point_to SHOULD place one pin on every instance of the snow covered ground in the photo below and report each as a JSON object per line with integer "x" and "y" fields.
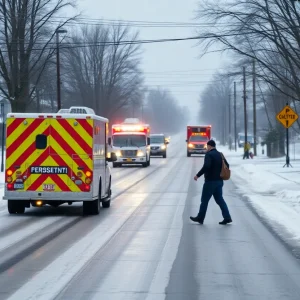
{"x": 271, "y": 189}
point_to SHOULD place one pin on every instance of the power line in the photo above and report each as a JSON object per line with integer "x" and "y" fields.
{"x": 133, "y": 42}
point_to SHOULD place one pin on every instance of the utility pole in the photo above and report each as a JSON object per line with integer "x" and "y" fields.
{"x": 254, "y": 108}
{"x": 58, "y": 31}
{"x": 229, "y": 120}
{"x": 235, "y": 126}
{"x": 245, "y": 103}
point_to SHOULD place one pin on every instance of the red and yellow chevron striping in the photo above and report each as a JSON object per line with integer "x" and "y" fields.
{"x": 69, "y": 147}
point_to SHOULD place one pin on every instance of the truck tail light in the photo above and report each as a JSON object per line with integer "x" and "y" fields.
{"x": 88, "y": 174}
{"x": 87, "y": 187}
{"x": 88, "y": 180}
{"x": 10, "y": 186}
{"x": 9, "y": 172}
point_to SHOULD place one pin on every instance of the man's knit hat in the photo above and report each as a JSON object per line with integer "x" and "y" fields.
{"x": 211, "y": 143}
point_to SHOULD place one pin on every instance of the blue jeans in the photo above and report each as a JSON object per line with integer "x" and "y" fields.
{"x": 213, "y": 188}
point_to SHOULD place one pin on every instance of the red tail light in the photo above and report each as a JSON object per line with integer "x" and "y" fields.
{"x": 10, "y": 186}
{"x": 87, "y": 188}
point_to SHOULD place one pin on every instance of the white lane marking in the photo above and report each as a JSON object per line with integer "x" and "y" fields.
{"x": 162, "y": 274}
{"x": 25, "y": 232}
{"x": 48, "y": 283}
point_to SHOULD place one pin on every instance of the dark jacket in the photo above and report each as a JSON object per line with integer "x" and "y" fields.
{"x": 212, "y": 166}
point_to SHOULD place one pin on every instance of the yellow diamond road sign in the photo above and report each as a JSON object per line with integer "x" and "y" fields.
{"x": 287, "y": 116}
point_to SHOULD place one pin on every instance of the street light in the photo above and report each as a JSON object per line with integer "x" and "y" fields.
{"x": 58, "y": 31}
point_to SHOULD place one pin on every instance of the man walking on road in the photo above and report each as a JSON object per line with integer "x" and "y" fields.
{"x": 213, "y": 185}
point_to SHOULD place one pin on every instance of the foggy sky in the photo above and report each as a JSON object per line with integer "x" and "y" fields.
{"x": 167, "y": 57}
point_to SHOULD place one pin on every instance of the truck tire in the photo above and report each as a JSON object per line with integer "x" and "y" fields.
{"x": 188, "y": 154}
{"x": 106, "y": 202}
{"x": 115, "y": 165}
{"x": 15, "y": 207}
{"x": 165, "y": 155}
{"x": 148, "y": 163}
{"x": 91, "y": 207}
{"x": 86, "y": 208}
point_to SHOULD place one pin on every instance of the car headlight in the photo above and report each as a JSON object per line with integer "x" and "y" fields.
{"x": 191, "y": 145}
{"x": 118, "y": 154}
{"x": 163, "y": 147}
{"x": 140, "y": 153}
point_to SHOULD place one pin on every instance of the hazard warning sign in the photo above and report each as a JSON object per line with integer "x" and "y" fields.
{"x": 287, "y": 116}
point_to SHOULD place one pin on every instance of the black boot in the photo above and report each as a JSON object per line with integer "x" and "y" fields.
{"x": 196, "y": 219}
{"x": 225, "y": 221}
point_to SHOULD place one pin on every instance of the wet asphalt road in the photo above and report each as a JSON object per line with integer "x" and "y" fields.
{"x": 145, "y": 247}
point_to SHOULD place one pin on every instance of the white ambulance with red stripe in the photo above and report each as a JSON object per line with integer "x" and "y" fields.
{"x": 57, "y": 158}
{"x": 130, "y": 142}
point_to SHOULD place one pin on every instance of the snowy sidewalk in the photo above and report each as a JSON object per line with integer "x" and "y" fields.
{"x": 272, "y": 190}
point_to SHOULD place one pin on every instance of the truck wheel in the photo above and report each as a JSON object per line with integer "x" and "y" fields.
{"x": 86, "y": 208}
{"x": 115, "y": 165}
{"x": 165, "y": 155}
{"x": 145, "y": 165}
{"x": 95, "y": 207}
{"x": 148, "y": 163}
{"x": 188, "y": 154}
{"x": 15, "y": 207}
{"x": 91, "y": 207}
{"x": 106, "y": 202}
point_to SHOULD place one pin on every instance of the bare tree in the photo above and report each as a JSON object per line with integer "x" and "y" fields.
{"x": 264, "y": 30}
{"x": 214, "y": 106}
{"x": 26, "y": 33}
{"x": 104, "y": 73}
{"x": 164, "y": 113}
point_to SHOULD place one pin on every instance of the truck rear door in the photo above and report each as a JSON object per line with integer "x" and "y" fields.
{"x": 70, "y": 147}
{"x": 26, "y": 148}
{"x": 48, "y": 155}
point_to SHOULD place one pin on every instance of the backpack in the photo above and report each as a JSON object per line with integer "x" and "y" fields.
{"x": 225, "y": 171}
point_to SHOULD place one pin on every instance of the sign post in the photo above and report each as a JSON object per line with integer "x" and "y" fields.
{"x": 287, "y": 117}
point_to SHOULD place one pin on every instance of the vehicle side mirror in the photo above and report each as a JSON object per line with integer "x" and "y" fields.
{"x": 112, "y": 157}
{"x": 148, "y": 141}
{"x": 109, "y": 141}
{"x": 186, "y": 141}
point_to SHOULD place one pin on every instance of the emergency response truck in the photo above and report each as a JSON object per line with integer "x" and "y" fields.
{"x": 197, "y": 138}
{"x": 57, "y": 158}
{"x": 131, "y": 142}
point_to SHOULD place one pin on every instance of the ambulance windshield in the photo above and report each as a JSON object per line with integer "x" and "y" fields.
{"x": 125, "y": 140}
{"x": 198, "y": 138}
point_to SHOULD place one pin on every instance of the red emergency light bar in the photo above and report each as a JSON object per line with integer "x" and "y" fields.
{"x": 199, "y": 133}
{"x": 130, "y": 128}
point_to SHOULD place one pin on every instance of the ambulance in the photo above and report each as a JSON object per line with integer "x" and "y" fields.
{"x": 130, "y": 142}
{"x": 197, "y": 138}
{"x": 57, "y": 158}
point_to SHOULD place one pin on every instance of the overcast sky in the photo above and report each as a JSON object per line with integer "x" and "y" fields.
{"x": 175, "y": 65}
